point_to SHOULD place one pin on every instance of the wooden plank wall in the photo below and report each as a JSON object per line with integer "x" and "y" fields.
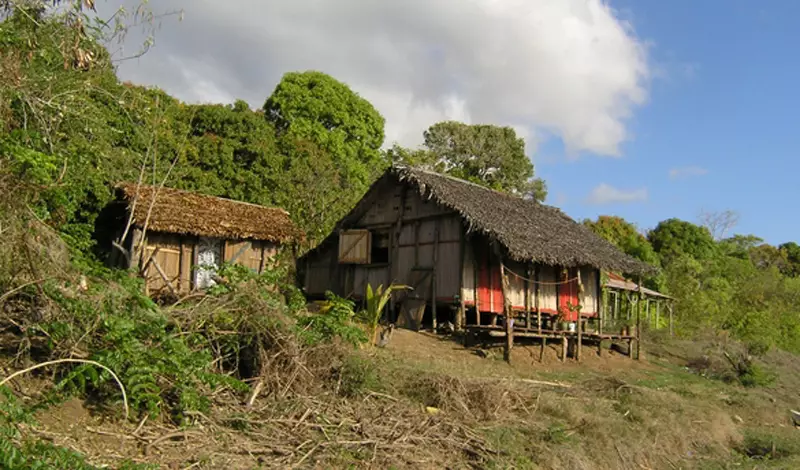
{"x": 175, "y": 255}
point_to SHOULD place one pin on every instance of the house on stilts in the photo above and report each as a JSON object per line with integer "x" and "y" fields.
{"x": 492, "y": 263}
{"x": 177, "y": 239}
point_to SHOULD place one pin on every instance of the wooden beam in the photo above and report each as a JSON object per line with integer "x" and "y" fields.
{"x": 536, "y": 299}
{"x": 433, "y": 274}
{"x": 602, "y": 302}
{"x": 671, "y": 323}
{"x": 541, "y": 351}
{"x": 508, "y": 312}
{"x": 579, "y": 345}
{"x": 476, "y": 277}
{"x": 639, "y": 322}
{"x": 462, "y": 249}
{"x": 527, "y": 288}
{"x": 163, "y": 275}
{"x": 135, "y": 252}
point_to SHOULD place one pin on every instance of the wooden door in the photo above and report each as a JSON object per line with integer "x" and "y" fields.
{"x": 568, "y": 295}
{"x": 490, "y": 282}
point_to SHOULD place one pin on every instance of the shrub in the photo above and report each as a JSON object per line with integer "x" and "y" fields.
{"x": 334, "y": 320}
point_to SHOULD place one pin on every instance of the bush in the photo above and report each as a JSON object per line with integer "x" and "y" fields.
{"x": 334, "y": 320}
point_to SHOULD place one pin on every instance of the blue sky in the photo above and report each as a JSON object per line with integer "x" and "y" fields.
{"x": 724, "y": 100}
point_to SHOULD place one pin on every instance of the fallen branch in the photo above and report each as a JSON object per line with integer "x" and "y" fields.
{"x": 79, "y": 361}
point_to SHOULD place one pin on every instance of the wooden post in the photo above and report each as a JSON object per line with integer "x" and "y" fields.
{"x": 639, "y": 322}
{"x": 647, "y": 312}
{"x": 135, "y": 251}
{"x": 507, "y": 309}
{"x": 616, "y": 305}
{"x": 537, "y": 293}
{"x": 475, "y": 269}
{"x": 603, "y": 309}
{"x": 541, "y": 352}
{"x": 433, "y": 274}
{"x": 580, "y": 318}
{"x": 460, "y": 316}
{"x": 671, "y": 327}
{"x": 563, "y": 348}
{"x": 527, "y": 296}
{"x": 394, "y": 248}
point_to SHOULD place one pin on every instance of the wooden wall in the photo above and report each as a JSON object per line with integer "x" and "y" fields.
{"x": 427, "y": 231}
{"x": 175, "y": 256}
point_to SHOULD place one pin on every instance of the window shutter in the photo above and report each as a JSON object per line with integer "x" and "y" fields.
{"x": 354, "y": 246}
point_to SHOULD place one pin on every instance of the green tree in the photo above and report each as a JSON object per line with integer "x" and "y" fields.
{"x": 674, "y": 237}
{"x": 792, "y": 251}
{"x": 624, "y": 236}
{"x": 316, "y": 108}
{"x": 232, "y": 153}
{"x": 492, "y": 156}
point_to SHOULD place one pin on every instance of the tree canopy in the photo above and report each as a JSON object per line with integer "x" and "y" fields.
{"x": 674, "y": 237}
{"x": 315, "y": 107}
{"x": 489, "y": 155}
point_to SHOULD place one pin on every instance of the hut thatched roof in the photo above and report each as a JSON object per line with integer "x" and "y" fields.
{"x": 529, "y": 231}
{"x": 191, "y": 213}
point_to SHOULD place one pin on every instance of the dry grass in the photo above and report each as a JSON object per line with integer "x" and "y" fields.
{"x": 369, "y": 409}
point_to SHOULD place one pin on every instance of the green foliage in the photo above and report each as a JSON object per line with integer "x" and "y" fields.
{"x": 314, "y": 107}
{"x": 358, "y": 376}
{"x": 627, "y": 238}
{"x": 334, "y": 320}
{"x": 17, "y": 453}
{"x": 673, "y": 237}
{"x": 488, "y": 155}
{"x": 376, "y": 302}
{"x": 161, "y": 369}
{"x": 770, "y": 444}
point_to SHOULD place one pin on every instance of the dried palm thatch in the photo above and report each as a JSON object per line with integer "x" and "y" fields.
{"x": 530, "y": 231}
{"x": 190, "y": 213}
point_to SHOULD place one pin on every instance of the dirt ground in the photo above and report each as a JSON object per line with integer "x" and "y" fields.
{"x": 377, "y": 430}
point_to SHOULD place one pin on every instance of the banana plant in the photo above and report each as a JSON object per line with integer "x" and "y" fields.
{"x": 376, "y": 301}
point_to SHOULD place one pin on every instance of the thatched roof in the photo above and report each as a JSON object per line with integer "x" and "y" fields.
{"x": 528, "y": 230}
{"x": 190, "y": 213}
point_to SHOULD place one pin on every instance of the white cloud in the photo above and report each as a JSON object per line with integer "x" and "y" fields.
{"x": 607, "y": 194}
{"x": 570, "y": 68}
{"x": 687, "y": 172}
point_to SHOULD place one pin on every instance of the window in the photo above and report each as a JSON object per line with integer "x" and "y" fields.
{"x": 380, "y": 248}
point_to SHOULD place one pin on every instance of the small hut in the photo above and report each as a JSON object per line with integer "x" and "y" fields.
{"x": 177, "y": 238}
{"x": 472, "y": 255}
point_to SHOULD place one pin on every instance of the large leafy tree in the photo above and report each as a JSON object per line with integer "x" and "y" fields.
{"x": 627, "y": 238}
{"x": 316, "y": 108}
{"x": 492, "y": 156}
{"x": 232, "y": 153}
{"x": 674, "y": 237}
{"x": 624, "y": 236}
